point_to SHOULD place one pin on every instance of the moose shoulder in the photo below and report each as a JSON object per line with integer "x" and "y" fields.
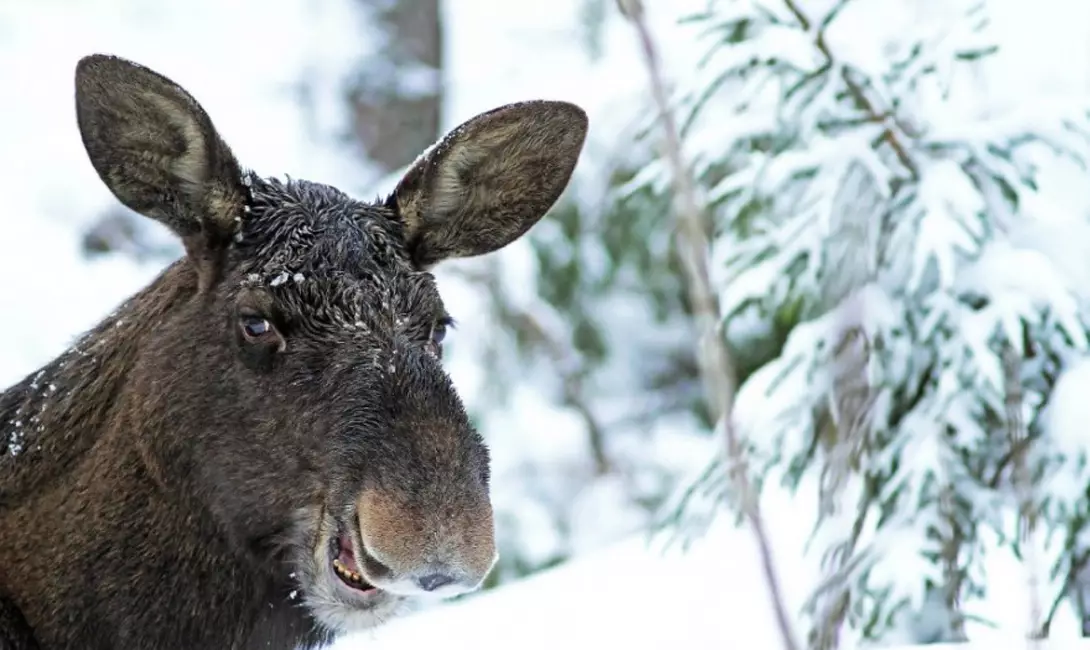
{"x": 261, "y": 448}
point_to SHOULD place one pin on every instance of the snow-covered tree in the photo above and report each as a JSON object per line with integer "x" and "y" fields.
{"x": 871, "y": 215}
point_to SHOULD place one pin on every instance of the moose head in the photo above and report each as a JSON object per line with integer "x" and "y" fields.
{"x": 283, "y": 385}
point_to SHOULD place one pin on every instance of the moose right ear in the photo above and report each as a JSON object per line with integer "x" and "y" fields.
{"x": 489, "y": 180}
{"x": 156, "y": 149}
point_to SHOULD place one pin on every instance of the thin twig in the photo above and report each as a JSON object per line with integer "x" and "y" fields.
{"x": 716, "y": 368}
{"x": 1016, "y": 447}
{"x": 1027, "y": 515}
{"x": 564, "y": 359}
{"x": 1078, "y": 563}
{"x": 856, "y": 214}
{"x": 856, "y": 91}
{"x": 950, "y": 546}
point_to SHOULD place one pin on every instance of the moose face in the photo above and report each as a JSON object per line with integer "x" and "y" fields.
{"x": 299, "y": 376}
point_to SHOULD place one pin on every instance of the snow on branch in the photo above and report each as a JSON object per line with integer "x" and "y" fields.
{"x": 869, "y": 107}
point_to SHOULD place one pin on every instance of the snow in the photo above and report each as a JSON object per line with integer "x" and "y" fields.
{"x": 1070, "y": 410}
{"x": 614, "y": 594}
{"x": 647, "y": 594}
{"x": 636, "y": 594}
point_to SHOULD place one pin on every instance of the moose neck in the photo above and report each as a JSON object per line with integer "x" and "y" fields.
{"x": 92, "y": 550}
{"x": 51, "y": 419}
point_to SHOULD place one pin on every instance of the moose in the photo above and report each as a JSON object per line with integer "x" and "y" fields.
{"x": 261, "y": 448}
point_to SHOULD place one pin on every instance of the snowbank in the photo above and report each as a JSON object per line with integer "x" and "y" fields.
{"x": 638, "y": 594}
{"x": 644, "y": 594}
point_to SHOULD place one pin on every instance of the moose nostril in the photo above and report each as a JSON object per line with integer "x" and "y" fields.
{"x": 433, "y": 581}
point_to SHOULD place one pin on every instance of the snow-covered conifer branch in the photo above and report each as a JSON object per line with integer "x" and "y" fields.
{"x": 888, "y": 301}
{"x": 873, "y": 114}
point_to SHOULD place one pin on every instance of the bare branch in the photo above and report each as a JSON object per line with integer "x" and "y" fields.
{"x": 1078, "y": 563}
{"x": 853, "y": 254}
{"x": 1027, "y": 512}
{"x": 563, "y": 358}
{"x": 716, "y": 368}
{"x": 950, "y": 550}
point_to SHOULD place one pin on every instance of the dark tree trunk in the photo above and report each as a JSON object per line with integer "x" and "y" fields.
{"x": 396, "y": 95}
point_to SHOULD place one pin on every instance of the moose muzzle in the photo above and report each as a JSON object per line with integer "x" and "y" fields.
{"x": 440, "y": 547}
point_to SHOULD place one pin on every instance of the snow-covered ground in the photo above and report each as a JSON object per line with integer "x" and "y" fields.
{"x": 639, "y": 594}
{"x": 240, "y": 59}
{"x": 648, "y": 594}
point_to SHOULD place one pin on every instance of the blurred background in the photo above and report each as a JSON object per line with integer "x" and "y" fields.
{"x": 909, "y": 170}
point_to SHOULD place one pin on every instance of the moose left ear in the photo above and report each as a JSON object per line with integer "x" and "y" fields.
{"x": 489, "y": 180}
{"x": 156, "y": 149}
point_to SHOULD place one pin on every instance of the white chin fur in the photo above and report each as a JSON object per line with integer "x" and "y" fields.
{"x": 342, "y": 618}
{"x": 334, "y": 605}
{"x": 344, "y": 611}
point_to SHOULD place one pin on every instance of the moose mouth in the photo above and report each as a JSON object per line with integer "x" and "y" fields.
{"x": 344, "y": 563}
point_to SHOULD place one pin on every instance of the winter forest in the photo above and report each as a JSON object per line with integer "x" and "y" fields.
{"x": 800, "y": 358}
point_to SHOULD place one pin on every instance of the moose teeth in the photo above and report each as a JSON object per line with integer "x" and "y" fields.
{"x": 346, "y": 573}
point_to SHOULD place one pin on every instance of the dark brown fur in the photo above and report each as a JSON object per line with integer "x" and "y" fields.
{"x": 178, "y": 477}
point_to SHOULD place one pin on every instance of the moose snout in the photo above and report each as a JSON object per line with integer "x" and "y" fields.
{"x": 437, "y": 580}
{"x": 439, "y": 547}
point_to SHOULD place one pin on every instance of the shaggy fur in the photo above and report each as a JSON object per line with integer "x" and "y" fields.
{"x": 181, "y": 477}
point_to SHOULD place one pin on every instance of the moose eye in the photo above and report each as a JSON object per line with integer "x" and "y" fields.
{"x": 438, "y": 333}
{"x": 260, "y": 341}
{"x": 255, "y": 327}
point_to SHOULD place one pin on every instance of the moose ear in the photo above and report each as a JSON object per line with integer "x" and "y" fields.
{"x": 489, "y": 180}
{"x": 156, "y": 149}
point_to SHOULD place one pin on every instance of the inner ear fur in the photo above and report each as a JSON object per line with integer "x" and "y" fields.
{"x": 488, "y": 181}
{"x": 157, "y": 151}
